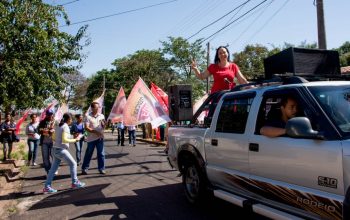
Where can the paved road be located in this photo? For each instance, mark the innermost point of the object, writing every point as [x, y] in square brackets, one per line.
[139, 185]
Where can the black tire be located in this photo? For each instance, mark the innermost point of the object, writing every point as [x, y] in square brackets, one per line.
[194, 183]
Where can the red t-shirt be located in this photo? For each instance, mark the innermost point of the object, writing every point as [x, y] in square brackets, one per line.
[220, 73]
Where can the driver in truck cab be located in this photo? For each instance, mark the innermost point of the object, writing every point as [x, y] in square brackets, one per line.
[276, 127]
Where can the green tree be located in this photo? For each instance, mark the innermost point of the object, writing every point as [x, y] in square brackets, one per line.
[344, 54]
[150, 65]
[34, 54]
[180, 53]
[96, 86]
[75, 91]
[251, 60]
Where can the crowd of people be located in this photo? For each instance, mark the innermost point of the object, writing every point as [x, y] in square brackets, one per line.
[54, 140]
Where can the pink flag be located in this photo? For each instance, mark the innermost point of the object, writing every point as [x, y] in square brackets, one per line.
[197, 105]
[43, 114]
[60, 111]
[99, 100]
[161, 96]
[116, 114]
[21, 120]
[142, 107]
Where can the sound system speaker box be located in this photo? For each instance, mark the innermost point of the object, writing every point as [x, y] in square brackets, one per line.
[303, 61]
[180, 102]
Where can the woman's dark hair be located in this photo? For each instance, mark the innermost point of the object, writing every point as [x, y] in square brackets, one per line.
[65, 118]
[32, 115]
[217, 59]
[77, 116]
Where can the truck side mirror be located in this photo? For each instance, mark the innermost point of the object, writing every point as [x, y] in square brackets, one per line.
[300, 127]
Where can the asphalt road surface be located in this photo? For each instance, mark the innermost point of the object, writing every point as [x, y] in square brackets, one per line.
[139, 184]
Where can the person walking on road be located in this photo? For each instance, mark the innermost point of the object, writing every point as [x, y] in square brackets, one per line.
[121, 133]
[94, 125]
[46, 130]
[78, 130]
[60, 152]
[32, 140]
[132, 137]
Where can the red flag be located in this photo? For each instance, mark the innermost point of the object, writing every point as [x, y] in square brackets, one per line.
[21, 120]
[116, 114]
[142, 107]
[161, 96]
[158, 134]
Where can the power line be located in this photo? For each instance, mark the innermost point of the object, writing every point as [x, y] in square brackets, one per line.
[119, 13]
[285, 3]
[229, 21]
[249, 26]
[218, 19]
[69, 3]
[234, 21]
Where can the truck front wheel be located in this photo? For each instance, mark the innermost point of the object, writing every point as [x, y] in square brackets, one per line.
[193, 182]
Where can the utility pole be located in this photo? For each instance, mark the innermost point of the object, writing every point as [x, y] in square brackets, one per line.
[208, 63]
[320, 25]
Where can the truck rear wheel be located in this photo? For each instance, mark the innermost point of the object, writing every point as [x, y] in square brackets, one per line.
[193, 182]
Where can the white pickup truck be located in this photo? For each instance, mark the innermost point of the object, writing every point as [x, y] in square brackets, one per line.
[304, 174]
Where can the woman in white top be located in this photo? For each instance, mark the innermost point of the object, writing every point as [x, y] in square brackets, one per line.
[60, 151]
[33, 139]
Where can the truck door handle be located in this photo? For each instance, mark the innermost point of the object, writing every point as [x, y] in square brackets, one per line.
[254, 147]
[214, 142]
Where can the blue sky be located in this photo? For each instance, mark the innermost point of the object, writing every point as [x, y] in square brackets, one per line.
[273, 23]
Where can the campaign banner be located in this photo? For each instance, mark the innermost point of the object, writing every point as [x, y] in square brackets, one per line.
[143, 107]
[116, 114]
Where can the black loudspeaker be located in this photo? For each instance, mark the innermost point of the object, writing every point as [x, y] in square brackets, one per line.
[302, 61]
[180, 102]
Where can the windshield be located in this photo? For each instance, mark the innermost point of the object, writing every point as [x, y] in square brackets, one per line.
[335, 100]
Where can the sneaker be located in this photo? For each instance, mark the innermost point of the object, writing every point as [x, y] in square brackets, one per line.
[78, 185]
[49, 189]
[56, 172]
[84, 172]
[103, 172]
[134, 145]
[34, 164]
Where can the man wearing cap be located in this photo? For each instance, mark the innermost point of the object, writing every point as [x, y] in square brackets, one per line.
[46, 129]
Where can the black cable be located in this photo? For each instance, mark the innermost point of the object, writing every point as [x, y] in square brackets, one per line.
[249, 26]
[218, 19]
[69, 3]
[120, 13]
[233, 21]
[285, 3]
